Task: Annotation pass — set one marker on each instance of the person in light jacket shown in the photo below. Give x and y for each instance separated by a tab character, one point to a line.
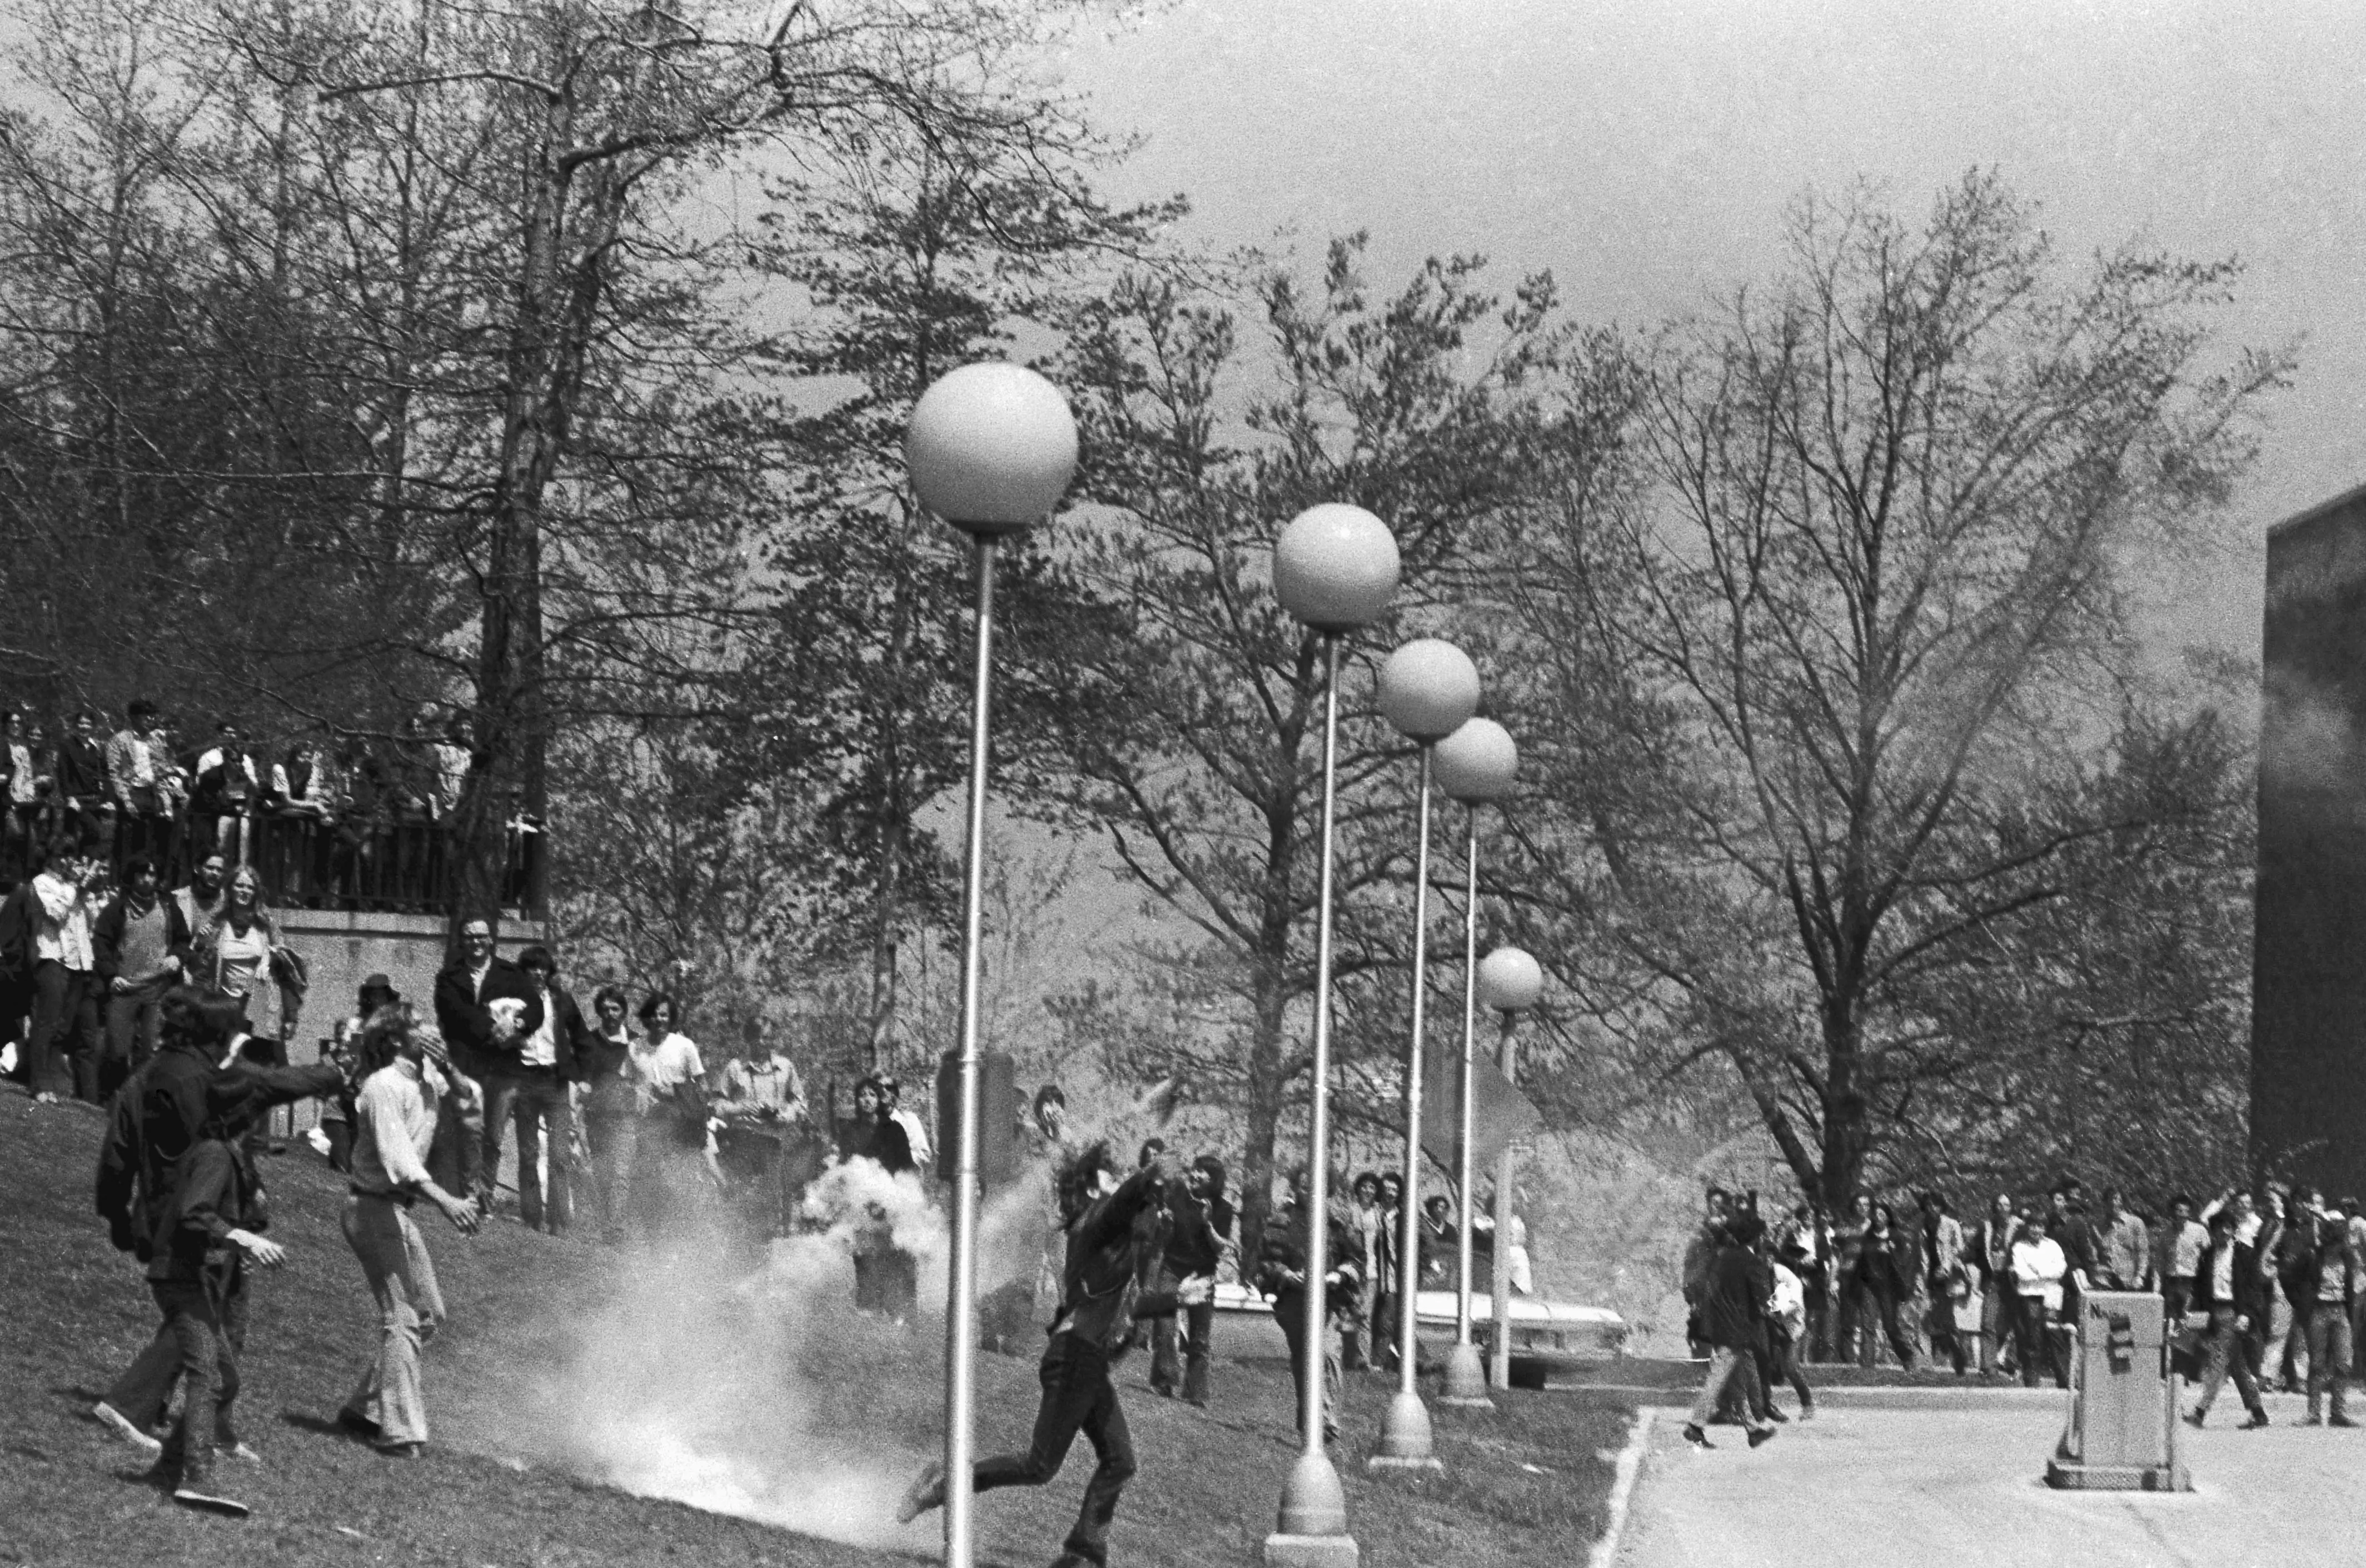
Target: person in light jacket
2038	1268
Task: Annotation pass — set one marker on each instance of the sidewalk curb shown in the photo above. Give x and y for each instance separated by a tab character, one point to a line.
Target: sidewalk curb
1622	1492
1648	1395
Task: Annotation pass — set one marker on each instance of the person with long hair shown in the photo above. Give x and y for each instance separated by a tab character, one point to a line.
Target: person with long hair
240	953
1098	1307
886	1278
1885	1274
396	1116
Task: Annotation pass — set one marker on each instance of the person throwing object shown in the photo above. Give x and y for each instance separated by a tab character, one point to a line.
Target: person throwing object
1098	1304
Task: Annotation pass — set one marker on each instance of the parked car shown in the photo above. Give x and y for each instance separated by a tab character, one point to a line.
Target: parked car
1546	1336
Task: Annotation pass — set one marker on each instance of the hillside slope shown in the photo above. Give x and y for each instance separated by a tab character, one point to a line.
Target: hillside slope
567	1365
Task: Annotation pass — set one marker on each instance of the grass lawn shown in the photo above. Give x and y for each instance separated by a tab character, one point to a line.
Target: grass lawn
525	1371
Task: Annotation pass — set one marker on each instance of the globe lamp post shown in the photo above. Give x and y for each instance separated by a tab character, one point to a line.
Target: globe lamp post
1428	689
1509	982
989	450
1334	570
1476	765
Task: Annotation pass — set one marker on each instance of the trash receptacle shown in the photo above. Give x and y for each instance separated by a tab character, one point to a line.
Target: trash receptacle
2123	1431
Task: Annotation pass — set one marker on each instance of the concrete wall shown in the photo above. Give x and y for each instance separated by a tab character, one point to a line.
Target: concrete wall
2308	990
340	949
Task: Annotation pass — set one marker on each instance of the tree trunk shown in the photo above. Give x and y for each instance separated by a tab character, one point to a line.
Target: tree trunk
1847	1128
1267	1092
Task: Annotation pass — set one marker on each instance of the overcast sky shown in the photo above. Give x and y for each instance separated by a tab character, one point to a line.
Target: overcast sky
1645	152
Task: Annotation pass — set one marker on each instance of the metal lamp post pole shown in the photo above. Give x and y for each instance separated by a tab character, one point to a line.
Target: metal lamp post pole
1465	1381
990	450
1315	1503
1499	1355
1334	569
961	1306
1405	1435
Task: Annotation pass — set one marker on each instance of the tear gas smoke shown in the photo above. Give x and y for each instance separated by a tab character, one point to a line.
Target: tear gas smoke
766	1393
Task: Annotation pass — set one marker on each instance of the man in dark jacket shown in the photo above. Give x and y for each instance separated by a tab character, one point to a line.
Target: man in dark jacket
196	1271
2230	1286
1098	1306
2322	1278
1200	1219
141	948
483	1039
535	1087
1282	1257
155	1121
89	812
1731	1311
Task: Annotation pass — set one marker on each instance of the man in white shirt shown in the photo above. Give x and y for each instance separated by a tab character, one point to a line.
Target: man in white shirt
395	1117
533	1093
62	1054
2180	1257
2038	1267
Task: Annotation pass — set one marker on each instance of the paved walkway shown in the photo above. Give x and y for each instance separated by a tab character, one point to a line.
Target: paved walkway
1936	1487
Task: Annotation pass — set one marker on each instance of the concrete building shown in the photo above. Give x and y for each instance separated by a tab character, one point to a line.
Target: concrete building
2308	988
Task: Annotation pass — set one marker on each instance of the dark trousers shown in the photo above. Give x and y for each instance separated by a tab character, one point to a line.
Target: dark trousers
207	1323
143	1391
1166	1357
529	1096
64	1048
886	1280
1877	1303
340	1135
1077	1397
134	1022
2034	1342
1289	1311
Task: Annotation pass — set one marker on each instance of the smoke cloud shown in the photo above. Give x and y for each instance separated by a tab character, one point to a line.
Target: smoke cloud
762	1392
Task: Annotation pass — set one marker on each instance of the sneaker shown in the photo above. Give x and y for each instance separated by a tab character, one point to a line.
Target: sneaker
2194	1419
1806	1412
2259	1419
1697	1437
1775	1414
926	1491
353	1421
240	1451
200	1495
400	1450
2340	1420
116	1421
1761	1435
2312	1421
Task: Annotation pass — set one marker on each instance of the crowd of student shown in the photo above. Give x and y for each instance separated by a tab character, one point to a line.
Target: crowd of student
2242	1280
327	817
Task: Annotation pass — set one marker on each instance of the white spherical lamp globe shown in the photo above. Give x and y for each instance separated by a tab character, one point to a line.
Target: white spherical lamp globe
1477	763
1334	568
1428	689
1510	980
991	447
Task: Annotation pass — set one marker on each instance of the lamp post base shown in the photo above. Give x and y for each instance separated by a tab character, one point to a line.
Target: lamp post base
1404	1437
1465	1380
1312	1552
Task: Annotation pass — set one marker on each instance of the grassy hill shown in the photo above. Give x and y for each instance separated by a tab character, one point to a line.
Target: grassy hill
572	1372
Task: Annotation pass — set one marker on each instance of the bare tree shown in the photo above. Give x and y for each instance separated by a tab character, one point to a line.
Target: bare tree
1849	622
